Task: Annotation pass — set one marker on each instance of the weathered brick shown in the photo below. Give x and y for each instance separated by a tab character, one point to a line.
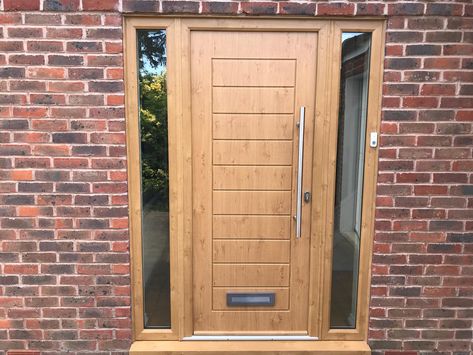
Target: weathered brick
84	47
141	6
65	60
180	6
61	5
259	8
444	9
21	5
104	5
288	8
42	19
404	9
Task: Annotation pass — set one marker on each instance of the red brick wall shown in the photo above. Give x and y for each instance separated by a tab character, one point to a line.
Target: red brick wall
64	262
64	283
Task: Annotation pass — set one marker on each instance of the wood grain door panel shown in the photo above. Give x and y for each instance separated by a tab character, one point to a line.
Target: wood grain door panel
246	90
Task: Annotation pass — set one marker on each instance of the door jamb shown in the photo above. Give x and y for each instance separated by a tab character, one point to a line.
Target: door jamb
178	47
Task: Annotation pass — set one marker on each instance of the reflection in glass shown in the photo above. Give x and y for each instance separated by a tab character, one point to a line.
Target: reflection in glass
349	179
154	177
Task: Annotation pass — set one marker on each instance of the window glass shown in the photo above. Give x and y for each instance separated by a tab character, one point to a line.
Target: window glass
154	177
354	77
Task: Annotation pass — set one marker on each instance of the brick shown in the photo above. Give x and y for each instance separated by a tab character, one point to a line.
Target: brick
370	9
401	89
61	5
86	150
454	323
444	9
463	141
105	60
46	73
399	115
141	6
288	8
441	63
38	280
28	86
180	7
66	33
66	86
459	23
21	5
10	18
425	23
104	5
42	19
105	86
421	76
395	50
13	99
335	9
420	102
83	19
72	138
457	102
436	115
258	8
104	33
84	47
13	124
446	225
443	37
403	9
209	7
24	32
402	63
85	73
86	100
45	46
457	49
424	128
466	90
11	46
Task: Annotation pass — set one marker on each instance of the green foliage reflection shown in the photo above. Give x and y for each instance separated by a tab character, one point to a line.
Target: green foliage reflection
153	119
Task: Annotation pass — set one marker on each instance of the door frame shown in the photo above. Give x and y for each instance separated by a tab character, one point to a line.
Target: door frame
180	164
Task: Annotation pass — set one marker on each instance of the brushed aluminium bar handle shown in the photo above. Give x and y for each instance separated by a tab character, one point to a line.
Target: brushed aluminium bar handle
299	172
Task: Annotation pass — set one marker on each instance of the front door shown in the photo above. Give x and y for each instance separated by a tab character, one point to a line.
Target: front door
252	180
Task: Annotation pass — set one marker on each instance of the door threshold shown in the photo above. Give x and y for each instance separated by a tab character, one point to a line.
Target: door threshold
207	347
249	337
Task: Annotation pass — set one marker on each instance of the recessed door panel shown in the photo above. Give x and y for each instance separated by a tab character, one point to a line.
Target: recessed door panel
247	91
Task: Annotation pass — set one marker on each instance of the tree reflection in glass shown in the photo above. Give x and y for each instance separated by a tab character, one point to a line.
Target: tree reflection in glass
154	177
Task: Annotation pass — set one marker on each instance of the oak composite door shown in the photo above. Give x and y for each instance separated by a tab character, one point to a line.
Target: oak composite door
247	90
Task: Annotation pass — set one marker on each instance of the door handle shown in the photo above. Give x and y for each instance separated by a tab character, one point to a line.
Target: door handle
299	172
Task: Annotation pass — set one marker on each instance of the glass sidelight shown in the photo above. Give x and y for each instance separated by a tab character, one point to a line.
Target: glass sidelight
154	167
354	78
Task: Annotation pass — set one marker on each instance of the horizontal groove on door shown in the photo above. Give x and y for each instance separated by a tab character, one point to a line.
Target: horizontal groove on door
253	72
257	275
219	300
252	178
234	275
251	251
249	227
255	99
252	126
252	202
252	152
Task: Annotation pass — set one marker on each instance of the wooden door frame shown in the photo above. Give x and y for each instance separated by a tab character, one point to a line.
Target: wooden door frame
180	162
